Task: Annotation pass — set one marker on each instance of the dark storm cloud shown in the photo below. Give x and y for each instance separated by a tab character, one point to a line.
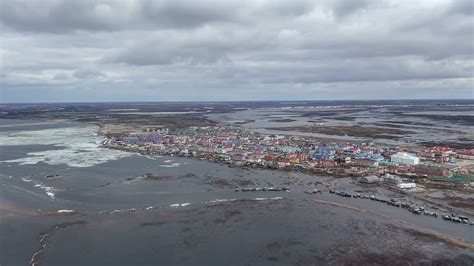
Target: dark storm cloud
214	49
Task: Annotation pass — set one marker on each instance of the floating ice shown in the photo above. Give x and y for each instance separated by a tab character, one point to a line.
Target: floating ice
131	210
170	165
49	190
80	146
153	157
221	200
26	179
260	198
176	205
65	211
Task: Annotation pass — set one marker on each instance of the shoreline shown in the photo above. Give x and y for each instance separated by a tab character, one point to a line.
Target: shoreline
307	172
432	233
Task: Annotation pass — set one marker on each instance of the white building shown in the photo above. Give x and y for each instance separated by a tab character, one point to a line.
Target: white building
404	158
406	185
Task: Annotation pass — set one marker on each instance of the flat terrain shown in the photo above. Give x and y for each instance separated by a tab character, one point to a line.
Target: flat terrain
355	131
67	200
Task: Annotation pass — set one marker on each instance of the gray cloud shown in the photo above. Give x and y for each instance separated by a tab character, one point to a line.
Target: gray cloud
202	50
345	8
61	76
59	16
464	7
184	14
87	74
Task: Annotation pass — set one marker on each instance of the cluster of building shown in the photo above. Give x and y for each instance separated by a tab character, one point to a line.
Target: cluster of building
238	147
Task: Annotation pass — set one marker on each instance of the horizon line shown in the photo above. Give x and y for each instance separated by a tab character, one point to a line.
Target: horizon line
233	101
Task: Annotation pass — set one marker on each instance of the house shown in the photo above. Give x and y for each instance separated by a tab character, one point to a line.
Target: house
158	146
431	170
236	156
367	163
440	150
254	159
404	158
283	163
467	154
328	163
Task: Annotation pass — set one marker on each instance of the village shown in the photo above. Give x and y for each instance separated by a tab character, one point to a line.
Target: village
401	167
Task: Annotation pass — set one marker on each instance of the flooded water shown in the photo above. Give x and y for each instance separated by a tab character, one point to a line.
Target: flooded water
419	126
72	202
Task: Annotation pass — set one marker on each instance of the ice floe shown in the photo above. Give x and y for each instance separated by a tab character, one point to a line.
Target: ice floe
170	165
65	211
49	190
177	205
153	157
128	210
221	200
235	199
80	146
276	198
117	211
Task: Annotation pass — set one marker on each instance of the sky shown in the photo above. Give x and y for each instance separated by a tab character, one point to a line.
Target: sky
84	50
